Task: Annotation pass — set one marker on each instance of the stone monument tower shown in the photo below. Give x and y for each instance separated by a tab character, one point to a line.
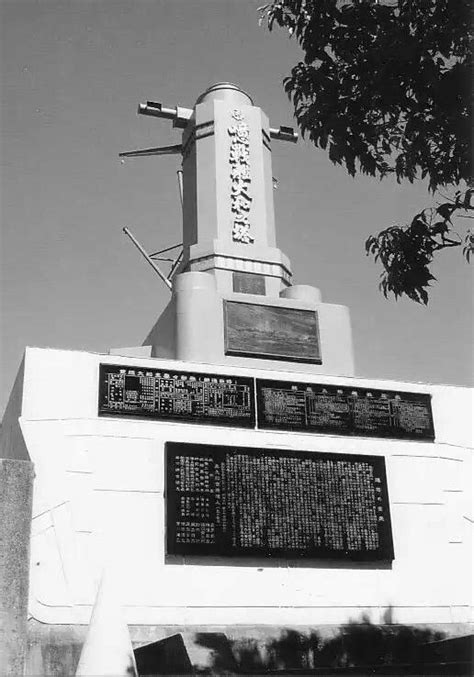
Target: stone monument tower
252	503
232	272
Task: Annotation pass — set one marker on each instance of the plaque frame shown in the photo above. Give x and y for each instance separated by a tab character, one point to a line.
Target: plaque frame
383	556
351	430
239	422
238	338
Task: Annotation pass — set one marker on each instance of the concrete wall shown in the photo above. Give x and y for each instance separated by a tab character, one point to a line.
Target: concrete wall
16	493
12	444
54	649
99	489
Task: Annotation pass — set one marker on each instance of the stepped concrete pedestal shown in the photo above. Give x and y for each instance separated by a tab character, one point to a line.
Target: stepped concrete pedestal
193	327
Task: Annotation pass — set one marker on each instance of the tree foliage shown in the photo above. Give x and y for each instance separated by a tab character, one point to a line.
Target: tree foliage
406	252
385	88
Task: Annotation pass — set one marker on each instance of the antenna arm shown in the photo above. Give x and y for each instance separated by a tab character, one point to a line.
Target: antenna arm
150	261
161	150
179	115
284	134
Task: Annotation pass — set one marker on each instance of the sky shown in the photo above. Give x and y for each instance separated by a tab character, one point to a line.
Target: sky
72	74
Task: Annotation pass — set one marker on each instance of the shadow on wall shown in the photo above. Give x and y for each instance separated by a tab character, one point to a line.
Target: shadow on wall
355	644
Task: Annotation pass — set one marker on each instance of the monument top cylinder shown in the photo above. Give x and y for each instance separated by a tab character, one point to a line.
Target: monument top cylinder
221	91
228	92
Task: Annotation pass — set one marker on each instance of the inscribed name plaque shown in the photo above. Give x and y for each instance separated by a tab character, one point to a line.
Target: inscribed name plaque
272	332
175	395
311	407
232	501
248	283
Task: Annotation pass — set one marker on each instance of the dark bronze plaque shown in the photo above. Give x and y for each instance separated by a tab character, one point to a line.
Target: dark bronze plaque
233	501
175	395
313	407
272	332
248	283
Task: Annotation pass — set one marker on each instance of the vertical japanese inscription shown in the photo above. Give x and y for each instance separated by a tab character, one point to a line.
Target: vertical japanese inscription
240	198
272	503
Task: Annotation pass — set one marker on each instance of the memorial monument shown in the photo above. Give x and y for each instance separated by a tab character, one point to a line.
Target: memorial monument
247	491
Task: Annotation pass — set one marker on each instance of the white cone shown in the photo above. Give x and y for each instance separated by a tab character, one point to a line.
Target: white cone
107	650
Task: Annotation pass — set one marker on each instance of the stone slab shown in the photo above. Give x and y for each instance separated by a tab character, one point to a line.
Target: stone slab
187	654
248	283
16	492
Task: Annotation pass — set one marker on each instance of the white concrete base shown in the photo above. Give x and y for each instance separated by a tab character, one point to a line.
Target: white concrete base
100	481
